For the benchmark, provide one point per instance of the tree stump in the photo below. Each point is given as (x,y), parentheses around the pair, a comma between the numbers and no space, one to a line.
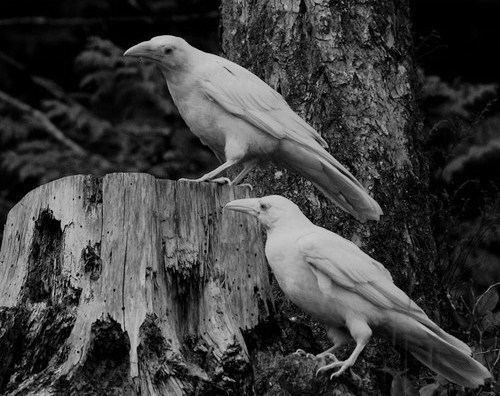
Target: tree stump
(129,285)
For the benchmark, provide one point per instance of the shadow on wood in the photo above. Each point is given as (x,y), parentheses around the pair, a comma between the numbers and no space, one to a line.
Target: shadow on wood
(129,285)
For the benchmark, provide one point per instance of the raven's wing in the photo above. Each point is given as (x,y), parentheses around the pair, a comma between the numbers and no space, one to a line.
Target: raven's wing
(243,94)
(344,265)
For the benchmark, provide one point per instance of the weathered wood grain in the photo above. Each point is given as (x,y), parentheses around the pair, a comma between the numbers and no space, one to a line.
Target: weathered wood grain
(146,284)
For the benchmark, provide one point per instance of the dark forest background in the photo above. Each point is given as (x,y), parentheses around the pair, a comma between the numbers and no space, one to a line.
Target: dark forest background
(70,104)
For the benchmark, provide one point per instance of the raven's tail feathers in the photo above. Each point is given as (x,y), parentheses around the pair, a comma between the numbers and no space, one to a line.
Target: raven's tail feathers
(330,177)
(446,358)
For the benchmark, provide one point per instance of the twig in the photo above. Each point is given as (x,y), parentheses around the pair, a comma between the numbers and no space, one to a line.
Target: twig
(488,351)
(47,125)
(57,92)
(41,20)
(498,355)
(48,85)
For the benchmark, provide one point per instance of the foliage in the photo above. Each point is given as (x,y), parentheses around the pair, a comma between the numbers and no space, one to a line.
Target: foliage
(463,122)
(121,116)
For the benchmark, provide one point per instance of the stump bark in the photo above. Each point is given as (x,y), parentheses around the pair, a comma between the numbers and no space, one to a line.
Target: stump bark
(129,285)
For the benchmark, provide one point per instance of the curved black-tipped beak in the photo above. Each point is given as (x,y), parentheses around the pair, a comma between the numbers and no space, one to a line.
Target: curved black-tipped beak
(249,206)
(146,49)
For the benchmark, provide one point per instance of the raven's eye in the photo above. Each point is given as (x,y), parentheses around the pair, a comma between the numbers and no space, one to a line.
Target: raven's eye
(263,206)
(167,51)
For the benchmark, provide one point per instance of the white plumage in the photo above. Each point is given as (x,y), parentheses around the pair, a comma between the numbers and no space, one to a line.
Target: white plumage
(244,121)
(352,294)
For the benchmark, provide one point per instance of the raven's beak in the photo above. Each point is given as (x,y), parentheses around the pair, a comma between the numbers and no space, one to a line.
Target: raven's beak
(249,206)
(146,49)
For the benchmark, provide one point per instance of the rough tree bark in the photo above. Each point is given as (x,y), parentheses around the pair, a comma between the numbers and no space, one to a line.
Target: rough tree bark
(347,68)
(129,285)
(108,288)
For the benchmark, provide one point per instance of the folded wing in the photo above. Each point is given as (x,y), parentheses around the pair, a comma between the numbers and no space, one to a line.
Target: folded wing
(302,149)
(345,265)
(243,94)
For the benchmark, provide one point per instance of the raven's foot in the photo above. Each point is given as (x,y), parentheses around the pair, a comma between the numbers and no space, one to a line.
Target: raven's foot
(324,358)
(246,185)
(302,353)
(344,365)
(219,180)
(327,354)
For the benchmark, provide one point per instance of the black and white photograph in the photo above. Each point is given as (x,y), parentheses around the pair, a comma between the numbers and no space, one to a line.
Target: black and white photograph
(249,198)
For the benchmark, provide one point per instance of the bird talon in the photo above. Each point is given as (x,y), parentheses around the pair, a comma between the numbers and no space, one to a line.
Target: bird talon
(327,356)
(339,371)
(299,352)
(302,353)
(246,185)
(324,358)
(221,180)
(344,365)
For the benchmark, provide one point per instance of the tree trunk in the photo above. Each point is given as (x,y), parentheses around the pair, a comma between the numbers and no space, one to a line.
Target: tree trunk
(132,285)
(129,285)
(346,67)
